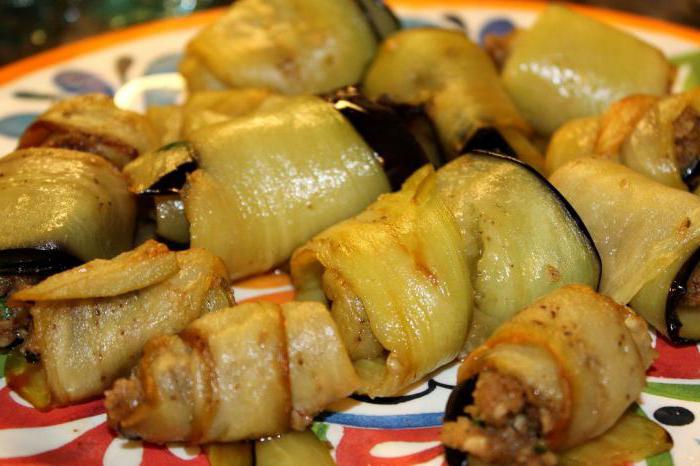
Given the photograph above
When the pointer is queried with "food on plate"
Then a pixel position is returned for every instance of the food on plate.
(457, 84)
(89, 324)
(291, 47)
(92, 123)
(648, 236)
(267, 181)
(251, 371)
(397, 285)
(522, 239)
(559, 373)
(568, 65)
(656, 136)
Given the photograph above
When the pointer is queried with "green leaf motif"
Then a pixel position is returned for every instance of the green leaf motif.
(686, 392)
(320, 429)
(689, 69)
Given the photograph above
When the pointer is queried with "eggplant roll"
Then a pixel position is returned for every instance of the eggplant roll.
(455, 81)
(290, 46)
(559, 373)
(92, 123)
(396, 281)
(269, 181)
(569, 66)
(658, 137)
(90, 323)
(522, 239)
(61, 201)
(648, 236)
(251, 371)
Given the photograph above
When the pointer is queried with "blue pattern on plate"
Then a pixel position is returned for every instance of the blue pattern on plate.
(409, 22)
(164, 64)
(82, 82)
(399, 421)
(496, 26)
(15, 124)
(161, 97)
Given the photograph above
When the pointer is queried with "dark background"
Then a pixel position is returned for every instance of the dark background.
(30, 26)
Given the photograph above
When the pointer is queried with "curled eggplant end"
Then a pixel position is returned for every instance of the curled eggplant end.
(384, 131)
(381, 19)
(121, 402)
(45, 259)
(163, 171)
(488, 139)
(678, 292)
(461, 397)
(25, 375)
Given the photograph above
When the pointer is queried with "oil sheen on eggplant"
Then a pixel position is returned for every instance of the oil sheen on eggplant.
(521, 238)
(455, 82)
(534, 389)
(292, 47)
(648, 235)
(92, 123)
(568, 66)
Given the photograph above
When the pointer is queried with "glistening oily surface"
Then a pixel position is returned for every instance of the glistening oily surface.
(403, 431)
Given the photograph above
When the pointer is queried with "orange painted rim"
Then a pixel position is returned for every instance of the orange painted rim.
(68, 51)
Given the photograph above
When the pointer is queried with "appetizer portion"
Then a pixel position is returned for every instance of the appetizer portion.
(568, 66)
(656, 136)
(251, 371)
(456, 83)
(522, 239)
(92, 123)
(396, 282)
(288, 46)
(648, 236)
(558, 374)
(89, 324)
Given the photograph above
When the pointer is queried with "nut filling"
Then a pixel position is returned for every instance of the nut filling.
(505, 425)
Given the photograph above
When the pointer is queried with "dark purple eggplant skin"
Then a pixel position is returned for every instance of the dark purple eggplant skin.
(489, 140)
(691, 175)
(171, 182)
(381, 19)
(461, 397)
(568, 208)
(676, 291)
(46, 259)
(383, 130)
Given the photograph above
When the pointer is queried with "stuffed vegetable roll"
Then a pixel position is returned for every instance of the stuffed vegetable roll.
(251, 371)
(559, 373)
(648, 236)
(457, 84)
(92, 123)
(568, 66)
(288, 46)
(658, 137)
(522, 238)
(396, 281)
(90, 323)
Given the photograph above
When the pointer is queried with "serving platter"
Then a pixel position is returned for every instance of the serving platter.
(392, 431)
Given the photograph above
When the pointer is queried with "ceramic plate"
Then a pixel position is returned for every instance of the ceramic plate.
(393, 431)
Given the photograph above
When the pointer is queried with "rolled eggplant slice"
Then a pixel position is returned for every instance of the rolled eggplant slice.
(559, 373)
(586, 68)
(89, 324)
(271, 180)
(455, 82)
(251, 371)
(648, 236)
(163, 171)
(291, 47)
(62, 207)
(658, 137)
(92, 123)
(522, 239)
(397, 285)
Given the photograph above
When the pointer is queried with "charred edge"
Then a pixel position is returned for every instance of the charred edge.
(172, 182)
(384, 132)
(676, 291)
(568, 208)
(691, 175)
(461, 397)
(488, 139)
(42, 260)
(381, 19)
